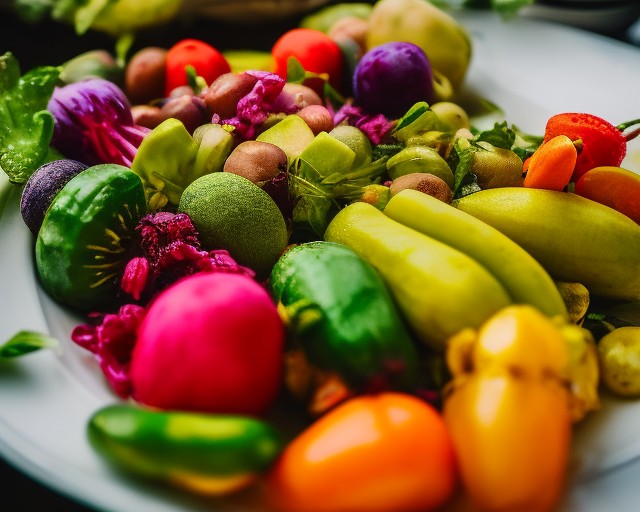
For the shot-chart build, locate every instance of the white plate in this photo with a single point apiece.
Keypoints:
(531, 69)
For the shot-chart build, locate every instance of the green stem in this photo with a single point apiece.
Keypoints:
(633, 134)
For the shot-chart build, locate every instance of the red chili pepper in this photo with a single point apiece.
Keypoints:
(315, 51)
(602, 142)
(208, 63)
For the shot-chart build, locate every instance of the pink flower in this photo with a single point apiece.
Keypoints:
(171, 250)
(375, 127)
(111, 339)
(254, 108)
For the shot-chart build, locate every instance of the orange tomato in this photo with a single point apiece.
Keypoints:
(388, 452)
(615, 187)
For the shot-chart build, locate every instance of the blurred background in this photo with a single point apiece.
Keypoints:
(232, 24)
(235, 25)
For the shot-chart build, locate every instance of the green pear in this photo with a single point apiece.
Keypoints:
(446, 43)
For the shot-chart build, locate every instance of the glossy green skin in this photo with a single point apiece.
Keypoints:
(82, 246)
(165, 445)
(342, 315)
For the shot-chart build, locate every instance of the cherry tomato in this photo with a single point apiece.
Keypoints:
(382, 453)
(208, 62)
(315, 51)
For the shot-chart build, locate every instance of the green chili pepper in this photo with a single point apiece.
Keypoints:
(215, 454)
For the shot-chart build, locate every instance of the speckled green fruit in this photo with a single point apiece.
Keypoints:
(85, 237)
(230, 212)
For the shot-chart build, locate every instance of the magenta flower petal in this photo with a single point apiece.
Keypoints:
(254, 108)
(111, 338)
(170, 250)
(375, 127)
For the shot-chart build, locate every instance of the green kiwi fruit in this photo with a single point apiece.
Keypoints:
(232, 213)
(86, 236)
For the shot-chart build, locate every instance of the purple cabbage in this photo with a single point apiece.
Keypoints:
(93, 123)
(391, 78)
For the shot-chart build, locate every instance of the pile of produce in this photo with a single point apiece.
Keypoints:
(323, 225)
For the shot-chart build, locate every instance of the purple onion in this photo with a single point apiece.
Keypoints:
(93, 123)
(391, 78)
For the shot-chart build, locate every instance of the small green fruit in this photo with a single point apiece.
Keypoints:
(230, 212)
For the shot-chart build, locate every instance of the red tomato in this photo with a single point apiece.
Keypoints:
(316, 51)
(208, 62)
(602, 143)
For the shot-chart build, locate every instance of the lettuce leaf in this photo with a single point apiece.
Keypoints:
(26, 126)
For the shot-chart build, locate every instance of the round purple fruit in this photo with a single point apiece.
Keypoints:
(391, 78)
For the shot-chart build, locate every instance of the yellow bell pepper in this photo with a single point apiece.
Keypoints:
(519, 383)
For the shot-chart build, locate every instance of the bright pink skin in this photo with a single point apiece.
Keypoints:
(210, 343)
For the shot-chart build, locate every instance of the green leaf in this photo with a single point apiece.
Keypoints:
(417, 121)
(509, 8)
(27, 125)
(386, 150)
(500, 136)
(122, 47)
(465, 181)
(86, 14)
(25, 342)
(412, 114)
(295, 72)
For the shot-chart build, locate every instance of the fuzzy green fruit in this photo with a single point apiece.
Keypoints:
(232, 213)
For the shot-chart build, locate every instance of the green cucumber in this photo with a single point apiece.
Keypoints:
(340, 312)
(207, 452)
(85, 239)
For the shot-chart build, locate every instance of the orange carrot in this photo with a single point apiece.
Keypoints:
(552, 164)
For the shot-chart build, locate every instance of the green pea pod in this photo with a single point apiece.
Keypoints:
(212, 454)
(340, 312)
